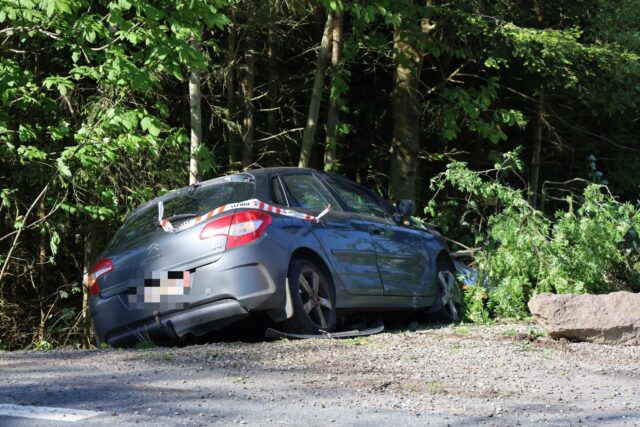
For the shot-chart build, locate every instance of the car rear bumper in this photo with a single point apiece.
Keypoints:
(196, 321)
(246, 279)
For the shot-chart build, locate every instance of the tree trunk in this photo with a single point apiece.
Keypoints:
(229, 83)
(272, 122)
(248, 83)
(195, 107)
(89, 253)
(534, 171)
(41, 290)
(311, 125)
(405, 105)
(330, 155)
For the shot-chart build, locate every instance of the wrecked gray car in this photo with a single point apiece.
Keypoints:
(301, 246)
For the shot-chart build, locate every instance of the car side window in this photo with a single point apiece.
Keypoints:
(356, 198)
(277, 193)
(308, 192)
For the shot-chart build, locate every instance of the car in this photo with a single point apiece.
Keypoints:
(301, 246)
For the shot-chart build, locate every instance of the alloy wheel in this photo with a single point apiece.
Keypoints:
(448, 283)
(315, 297)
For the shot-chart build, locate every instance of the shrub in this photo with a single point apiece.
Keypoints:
(590, 245)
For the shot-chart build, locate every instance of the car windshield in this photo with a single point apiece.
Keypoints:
(185, 203)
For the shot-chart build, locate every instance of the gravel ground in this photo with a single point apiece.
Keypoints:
(504, 374)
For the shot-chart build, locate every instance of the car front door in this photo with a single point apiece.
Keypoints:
(401, 252)
(344, 237)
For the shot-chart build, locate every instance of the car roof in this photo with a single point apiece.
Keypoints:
(260, 173)
(280, 169)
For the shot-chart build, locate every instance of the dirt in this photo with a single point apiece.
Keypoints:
(503, 374)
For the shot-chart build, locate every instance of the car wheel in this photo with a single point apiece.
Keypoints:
(314, 300)
(449, 292)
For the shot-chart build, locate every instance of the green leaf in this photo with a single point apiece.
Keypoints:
(151, 125)
(448, 134)
(62, 167)
(133, 38)
(54, 242)
(219, 20)
(50, 7)
(62, 6)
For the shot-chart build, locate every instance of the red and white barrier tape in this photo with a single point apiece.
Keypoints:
(249, 204)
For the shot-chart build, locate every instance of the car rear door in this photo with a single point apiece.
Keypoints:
(344, 237)
(401, 253)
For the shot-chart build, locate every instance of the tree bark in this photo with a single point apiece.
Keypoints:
(89, 254)
(248, 83)
(272, 122)
(405, 104)
(333, 116)
(42, 264)
(534, 170)
(311, 124)
(195, 107)
(229, 83)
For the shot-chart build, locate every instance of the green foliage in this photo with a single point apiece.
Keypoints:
(43, 345)
(591, 246)
(144, 345)
(84, 114)
(93, 108)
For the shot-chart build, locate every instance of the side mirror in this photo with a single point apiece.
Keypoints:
(405, 208)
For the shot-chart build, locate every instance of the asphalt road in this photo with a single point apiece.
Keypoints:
(458, 376)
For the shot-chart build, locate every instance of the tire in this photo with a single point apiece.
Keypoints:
(314, 300)
(449, 293)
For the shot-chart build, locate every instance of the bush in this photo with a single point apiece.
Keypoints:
(589, 246)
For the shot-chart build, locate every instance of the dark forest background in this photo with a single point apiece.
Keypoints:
(516, 108)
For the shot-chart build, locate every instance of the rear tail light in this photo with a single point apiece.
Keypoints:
(99, 269)
(241, 228)
(217, 227)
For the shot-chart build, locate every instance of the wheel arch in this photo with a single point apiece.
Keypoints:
(313, 256)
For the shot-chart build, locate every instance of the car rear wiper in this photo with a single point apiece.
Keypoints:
(179, 217)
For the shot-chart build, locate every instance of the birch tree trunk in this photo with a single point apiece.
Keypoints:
(311, 124)
(330, 154)
(195, 107)
(405, 104)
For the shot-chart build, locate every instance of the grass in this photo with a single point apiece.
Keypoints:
(456, 346)
(239, 380)
(434, 387)
(161, 357)
(462, 330)
(354, 341)
(144, 345)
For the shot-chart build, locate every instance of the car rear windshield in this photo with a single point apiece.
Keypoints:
(192, 201)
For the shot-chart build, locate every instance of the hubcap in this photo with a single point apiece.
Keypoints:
(315, 298)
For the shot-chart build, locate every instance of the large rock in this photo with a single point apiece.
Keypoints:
(603, 319)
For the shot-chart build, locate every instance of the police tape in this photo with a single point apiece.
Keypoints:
(247, 204)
